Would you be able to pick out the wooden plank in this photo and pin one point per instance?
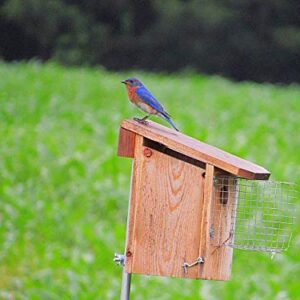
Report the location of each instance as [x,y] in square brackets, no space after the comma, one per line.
[205,269]
[164,227]
[219,255]
[198,150]
[126,143]
[132,211]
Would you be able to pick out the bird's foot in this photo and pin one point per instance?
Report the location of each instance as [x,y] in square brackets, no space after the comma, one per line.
[141,121]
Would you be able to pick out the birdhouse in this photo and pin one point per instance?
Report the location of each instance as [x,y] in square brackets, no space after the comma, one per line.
[191,204]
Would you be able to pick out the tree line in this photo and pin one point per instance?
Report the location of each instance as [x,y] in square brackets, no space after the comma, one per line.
[241,39]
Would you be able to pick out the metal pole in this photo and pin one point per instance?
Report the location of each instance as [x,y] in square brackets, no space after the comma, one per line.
[120,258]
[126,277]
[126,280]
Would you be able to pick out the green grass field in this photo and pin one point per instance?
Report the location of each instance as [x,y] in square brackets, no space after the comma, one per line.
[64,192]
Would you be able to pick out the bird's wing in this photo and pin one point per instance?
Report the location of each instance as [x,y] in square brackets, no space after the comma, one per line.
[148,98]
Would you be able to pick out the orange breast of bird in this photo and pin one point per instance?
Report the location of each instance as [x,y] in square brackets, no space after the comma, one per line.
[134,98]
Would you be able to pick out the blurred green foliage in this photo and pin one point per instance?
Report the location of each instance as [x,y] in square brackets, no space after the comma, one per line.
[249,39]
[64,192]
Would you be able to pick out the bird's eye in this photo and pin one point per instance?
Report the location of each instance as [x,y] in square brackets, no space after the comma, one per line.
[131,81]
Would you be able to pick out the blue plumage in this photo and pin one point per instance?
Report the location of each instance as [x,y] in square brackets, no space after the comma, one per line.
[148,98]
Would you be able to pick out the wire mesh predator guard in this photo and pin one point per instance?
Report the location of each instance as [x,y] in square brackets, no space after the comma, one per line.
[261,214]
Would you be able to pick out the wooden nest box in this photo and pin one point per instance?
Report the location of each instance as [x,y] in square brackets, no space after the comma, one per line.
[173,228]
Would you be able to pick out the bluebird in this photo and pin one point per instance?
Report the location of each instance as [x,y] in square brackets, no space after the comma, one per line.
[139,95]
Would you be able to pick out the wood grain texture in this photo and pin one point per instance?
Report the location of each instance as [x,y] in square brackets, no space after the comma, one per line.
[204,247]
[219,256]
[134,197]
[165,215]
[172,209]
[126,143]
[198,150]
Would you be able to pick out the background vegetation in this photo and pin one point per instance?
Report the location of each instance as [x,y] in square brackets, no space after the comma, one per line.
[241,39]
[64,192]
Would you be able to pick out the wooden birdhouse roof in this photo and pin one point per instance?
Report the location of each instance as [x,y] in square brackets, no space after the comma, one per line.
[196,150]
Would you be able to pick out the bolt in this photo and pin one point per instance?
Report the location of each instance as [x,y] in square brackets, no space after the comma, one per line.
[147,152]
[119,259]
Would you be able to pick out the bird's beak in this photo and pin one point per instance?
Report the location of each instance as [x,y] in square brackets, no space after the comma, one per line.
[124,82]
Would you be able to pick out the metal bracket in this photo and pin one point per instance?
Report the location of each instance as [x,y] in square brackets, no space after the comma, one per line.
[119,259]
[198,261]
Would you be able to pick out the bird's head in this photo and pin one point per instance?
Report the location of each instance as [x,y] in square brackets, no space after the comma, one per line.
[132,82]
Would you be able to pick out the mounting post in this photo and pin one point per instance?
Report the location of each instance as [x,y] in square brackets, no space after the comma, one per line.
[119,259]
[125,290]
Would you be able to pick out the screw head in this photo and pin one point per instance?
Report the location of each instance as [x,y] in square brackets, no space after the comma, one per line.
[147,152]
[119,259]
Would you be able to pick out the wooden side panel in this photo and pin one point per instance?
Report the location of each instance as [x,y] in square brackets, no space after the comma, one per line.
[134,196]
[219,256]
[126,144]
[165,215]
[204,248]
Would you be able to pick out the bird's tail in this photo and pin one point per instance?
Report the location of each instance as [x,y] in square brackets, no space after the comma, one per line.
[168,119]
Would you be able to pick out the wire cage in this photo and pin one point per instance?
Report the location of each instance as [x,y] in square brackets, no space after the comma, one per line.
[259,214]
